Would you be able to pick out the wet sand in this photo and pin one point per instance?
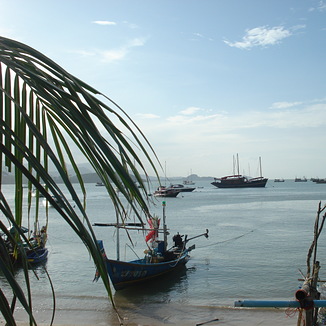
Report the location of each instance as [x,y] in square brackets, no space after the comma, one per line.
[171,315]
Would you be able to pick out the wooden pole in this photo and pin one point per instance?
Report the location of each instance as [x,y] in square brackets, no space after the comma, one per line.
[164,227]
[310,284]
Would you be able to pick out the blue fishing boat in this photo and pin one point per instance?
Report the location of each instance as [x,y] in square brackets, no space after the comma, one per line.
[124,274]
[33,249]
[38,255]
[158,260]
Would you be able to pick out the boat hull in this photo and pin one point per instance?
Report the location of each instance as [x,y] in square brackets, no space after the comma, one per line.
[240,183]
[125,274]
[182,188]
[187,189]
[166,192]
[37,256]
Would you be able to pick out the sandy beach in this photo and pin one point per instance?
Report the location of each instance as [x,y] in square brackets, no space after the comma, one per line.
[177,315]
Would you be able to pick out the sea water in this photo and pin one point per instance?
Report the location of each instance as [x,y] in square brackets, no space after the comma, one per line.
[257,249]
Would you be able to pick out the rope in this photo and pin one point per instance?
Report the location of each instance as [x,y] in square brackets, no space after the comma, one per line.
[291,312]
[181,253]
[228,240]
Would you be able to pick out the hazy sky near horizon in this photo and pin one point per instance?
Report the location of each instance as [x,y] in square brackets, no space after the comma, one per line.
[203,79]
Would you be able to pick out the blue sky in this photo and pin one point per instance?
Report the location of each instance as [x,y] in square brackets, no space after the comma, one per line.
[204,79]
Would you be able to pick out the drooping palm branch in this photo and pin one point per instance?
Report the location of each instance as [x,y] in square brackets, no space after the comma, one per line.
[44,111]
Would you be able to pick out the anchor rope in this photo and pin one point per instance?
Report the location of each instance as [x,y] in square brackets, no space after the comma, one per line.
[227,240]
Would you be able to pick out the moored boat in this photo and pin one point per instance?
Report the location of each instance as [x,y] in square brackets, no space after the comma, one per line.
[304,179]
[124,274]
[240,181]
[182,188]
[163,191]
[188,182]
[320,181]
[158,260]
[33,248]
[37,255]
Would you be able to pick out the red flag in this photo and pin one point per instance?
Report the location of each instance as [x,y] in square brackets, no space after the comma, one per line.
[154,223]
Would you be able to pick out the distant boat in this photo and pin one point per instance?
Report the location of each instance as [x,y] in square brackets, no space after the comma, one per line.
[300,179]
[240,181]
[188,180]
[163,191]
[158,259]
[182,188]
[320,180]
[99,184]
[278,180]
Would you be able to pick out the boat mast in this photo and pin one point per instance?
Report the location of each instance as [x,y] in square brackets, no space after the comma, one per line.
[118,242]
[233,165]
[164,227]
[261,171]
[238,163]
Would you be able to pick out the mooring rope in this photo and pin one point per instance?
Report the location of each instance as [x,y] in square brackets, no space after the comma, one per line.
[227,240]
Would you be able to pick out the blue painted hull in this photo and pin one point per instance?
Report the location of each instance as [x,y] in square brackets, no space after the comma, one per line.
[37,256]
[124,274]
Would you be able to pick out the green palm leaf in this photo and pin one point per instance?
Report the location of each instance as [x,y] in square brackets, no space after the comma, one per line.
[43,111]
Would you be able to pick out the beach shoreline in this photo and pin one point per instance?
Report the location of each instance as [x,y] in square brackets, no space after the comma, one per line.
[171,315]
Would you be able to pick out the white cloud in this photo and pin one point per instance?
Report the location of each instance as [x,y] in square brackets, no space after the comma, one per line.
[136,42]
[196,36]
[223,124]
[84,53]
[191,110]
[203,136]
[120,53]
[261,36]
[321,6]
[104,22]
[284,105]
[114,54]
[194,120]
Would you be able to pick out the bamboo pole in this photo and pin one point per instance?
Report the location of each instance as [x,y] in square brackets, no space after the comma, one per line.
[276,303]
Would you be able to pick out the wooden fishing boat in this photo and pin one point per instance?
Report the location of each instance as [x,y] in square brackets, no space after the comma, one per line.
[34,248]
[240,181]
[37,255]
[158,260]
[124,274]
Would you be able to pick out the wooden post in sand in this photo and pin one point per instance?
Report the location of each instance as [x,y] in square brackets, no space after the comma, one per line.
[309,291]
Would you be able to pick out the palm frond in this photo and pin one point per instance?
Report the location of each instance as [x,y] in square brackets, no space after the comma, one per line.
[44,111]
